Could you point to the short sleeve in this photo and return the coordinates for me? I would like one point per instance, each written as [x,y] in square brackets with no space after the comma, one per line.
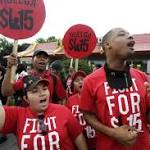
[73,125]
[18,85]
[87,98]
[11,117]
[60,91]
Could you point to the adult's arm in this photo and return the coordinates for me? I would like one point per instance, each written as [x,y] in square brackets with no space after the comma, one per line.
[2,117]
[7,86]
[80,142]
[123,134]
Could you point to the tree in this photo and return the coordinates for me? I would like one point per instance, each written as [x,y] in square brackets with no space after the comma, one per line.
[41,40]
[48,40]
[4,45]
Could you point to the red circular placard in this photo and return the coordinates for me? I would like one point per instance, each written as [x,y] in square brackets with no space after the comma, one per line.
[21,19]
[79,41]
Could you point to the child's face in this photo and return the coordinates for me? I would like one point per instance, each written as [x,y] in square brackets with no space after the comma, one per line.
[38,97]
[78,82]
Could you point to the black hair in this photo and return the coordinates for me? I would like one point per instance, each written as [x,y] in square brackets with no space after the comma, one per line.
[21,67]
[106,38]
[98,66]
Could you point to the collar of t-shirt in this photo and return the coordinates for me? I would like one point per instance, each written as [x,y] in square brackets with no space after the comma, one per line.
[45,74]
[118,79]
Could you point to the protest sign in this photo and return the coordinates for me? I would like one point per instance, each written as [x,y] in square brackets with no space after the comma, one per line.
[20,19]
[79,41]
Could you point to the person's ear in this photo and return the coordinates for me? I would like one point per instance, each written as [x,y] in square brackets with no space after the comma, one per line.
[25,99]
[107,45]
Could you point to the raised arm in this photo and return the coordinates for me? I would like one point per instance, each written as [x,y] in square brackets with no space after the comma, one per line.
[7,86]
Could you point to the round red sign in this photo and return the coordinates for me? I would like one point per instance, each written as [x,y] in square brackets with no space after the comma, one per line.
[21,19]
[79,41]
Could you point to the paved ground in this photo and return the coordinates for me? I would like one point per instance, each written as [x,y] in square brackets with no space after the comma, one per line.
[10,144]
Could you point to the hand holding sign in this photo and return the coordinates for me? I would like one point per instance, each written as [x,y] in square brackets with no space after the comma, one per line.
[79,41]
[20,20]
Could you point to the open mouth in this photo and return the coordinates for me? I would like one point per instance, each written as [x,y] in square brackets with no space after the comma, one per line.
[80,86]
[42,64]
[131,44]
[42,100]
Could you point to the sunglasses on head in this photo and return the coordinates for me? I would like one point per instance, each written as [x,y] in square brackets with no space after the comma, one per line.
[43,128]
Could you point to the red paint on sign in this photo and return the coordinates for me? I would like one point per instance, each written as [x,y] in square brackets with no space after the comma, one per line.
[21,19]
[79,41]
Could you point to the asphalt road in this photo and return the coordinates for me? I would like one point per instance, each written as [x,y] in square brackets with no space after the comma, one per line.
[10,144]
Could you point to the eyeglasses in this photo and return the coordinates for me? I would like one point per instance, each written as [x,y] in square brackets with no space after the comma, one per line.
[43,128]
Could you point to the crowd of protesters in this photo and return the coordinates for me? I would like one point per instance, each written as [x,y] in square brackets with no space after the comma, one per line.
[107,109]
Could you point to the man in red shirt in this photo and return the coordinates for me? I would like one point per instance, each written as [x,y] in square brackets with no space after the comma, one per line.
[39,62]
[114,99]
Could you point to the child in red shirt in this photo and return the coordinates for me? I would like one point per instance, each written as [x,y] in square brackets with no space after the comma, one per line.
[73,104]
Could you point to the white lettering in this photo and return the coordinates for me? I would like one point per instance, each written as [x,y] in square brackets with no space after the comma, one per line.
[135,102]
[27,124]
[110,104]
[134,84]
[106,87]
[23,145]
[123,99]
[54,140]
[114,122]
[34,126]
[36,140]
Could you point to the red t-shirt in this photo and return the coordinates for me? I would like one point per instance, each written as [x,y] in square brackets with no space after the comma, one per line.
[60,91]
[73,104]
[63,128]
[108,104]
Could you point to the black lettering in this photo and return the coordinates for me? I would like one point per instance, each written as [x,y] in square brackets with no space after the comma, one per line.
[23,20]
[80,46]
[71,43]
[85,44]
[3,18]
[33,3]
[28,19]
[13,22]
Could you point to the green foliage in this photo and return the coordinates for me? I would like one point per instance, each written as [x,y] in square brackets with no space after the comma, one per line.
[41,40]
[4,44]
[48,40]
[83,65]
[52,39]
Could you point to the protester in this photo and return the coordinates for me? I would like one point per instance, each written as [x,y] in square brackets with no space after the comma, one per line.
[58,70]
[73,104]
[69,80]
[114,99]
[39,61]
[3,100]
[56,67]
[41,125]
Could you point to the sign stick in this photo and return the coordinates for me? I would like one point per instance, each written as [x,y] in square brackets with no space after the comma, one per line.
[13,69]
[71,63]
[76,64]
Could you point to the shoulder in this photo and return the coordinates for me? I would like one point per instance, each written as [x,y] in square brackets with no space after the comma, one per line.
[138,74]
[57,109]
[97,75]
